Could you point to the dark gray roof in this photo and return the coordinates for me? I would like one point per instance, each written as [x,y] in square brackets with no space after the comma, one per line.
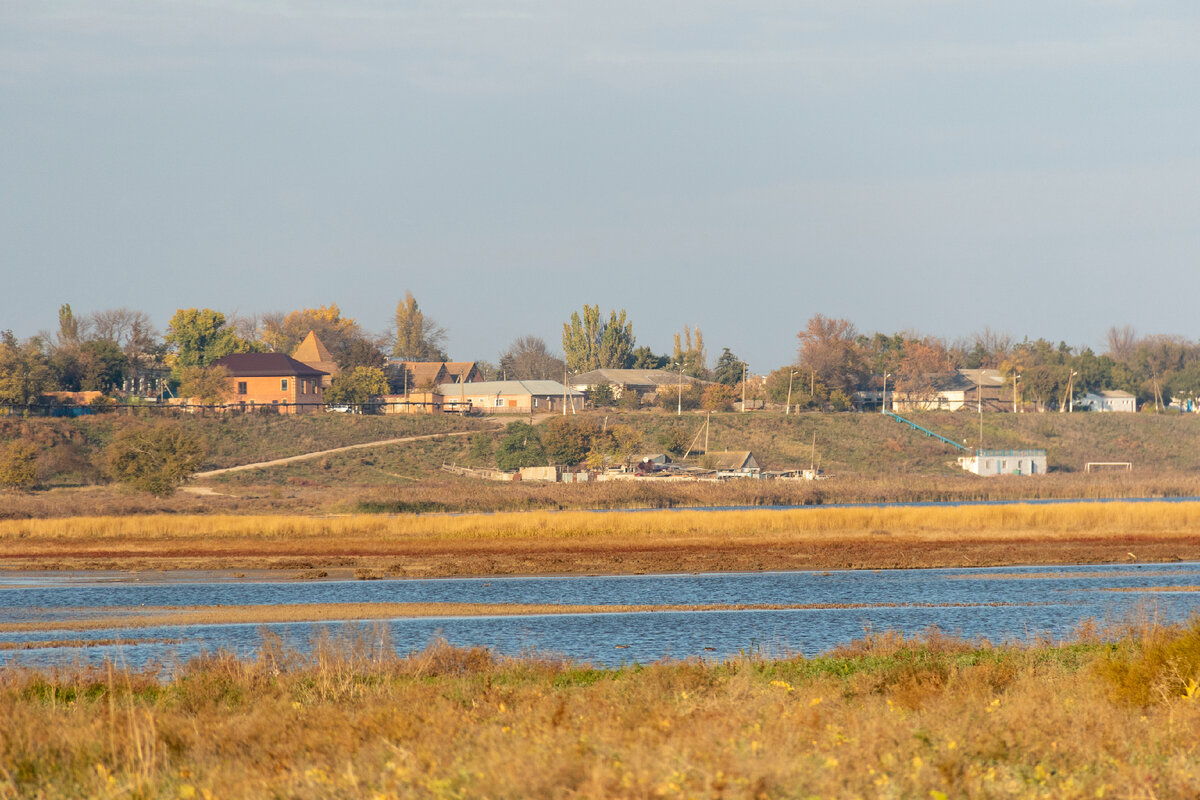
[265,365]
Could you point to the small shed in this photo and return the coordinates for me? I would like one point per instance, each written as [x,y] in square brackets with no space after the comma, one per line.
[1005,462]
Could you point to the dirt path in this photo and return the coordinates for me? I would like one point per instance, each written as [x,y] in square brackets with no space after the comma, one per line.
[275,462]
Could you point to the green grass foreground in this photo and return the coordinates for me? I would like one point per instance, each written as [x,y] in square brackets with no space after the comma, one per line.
[934,717]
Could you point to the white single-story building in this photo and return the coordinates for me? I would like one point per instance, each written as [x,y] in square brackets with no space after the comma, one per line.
[1005,462]
[510,397]
[1109,400]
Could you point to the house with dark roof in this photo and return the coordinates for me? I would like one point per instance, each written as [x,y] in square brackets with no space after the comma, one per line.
[642,381]
[273,379]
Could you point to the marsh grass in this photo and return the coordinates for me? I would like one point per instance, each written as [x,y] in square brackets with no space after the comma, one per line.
[888,716]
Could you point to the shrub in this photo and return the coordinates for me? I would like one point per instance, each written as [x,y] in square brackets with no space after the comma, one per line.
[601,395]
[520,447]
[155,458]
[718,397]
[18,466]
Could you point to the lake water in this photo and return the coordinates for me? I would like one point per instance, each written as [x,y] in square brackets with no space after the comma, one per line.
[1001,604]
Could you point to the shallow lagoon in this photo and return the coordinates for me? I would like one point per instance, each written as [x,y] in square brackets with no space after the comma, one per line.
[1000,604]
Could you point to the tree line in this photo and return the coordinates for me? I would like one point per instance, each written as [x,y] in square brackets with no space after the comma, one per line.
[119,350]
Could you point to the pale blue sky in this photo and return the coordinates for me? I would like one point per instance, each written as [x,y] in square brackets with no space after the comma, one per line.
[937,166]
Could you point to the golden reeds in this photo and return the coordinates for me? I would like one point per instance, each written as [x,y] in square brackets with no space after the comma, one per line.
[893,717]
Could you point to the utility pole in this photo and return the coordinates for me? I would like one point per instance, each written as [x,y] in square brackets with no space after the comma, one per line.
[788,410]
[679,406]
[883,399]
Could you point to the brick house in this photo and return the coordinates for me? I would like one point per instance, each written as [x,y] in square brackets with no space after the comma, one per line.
[273,379]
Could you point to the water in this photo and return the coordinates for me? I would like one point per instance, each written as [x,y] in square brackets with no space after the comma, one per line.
[996,603]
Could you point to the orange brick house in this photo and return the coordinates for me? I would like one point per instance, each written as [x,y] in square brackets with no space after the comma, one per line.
[273,379]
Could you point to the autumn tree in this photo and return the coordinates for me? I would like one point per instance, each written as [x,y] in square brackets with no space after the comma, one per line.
[199,337]
[689,353]
[921,369]
[155,458]
[418,337]
[529,358]
[591,343]
[211,385]
[19,465]
[347,343]
[25,373]
[828,349]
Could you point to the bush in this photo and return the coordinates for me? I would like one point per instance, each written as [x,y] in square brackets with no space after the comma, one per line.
[155,458]
[601,395]
[520,447]
[18,466]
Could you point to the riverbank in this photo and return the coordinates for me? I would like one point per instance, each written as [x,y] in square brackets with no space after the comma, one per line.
[884,717]
[574,543]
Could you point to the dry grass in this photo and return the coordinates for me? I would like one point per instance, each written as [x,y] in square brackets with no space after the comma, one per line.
[888,717]
[544,542]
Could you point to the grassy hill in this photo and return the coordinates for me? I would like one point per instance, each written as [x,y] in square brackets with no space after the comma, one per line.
[870,456]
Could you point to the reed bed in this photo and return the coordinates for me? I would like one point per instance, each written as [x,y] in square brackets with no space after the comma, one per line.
[1123,518]
[886,717]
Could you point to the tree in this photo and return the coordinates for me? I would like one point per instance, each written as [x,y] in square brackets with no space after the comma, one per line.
[68,325]
[1122,341]
[25,373]
[520,447]
[921,369]
[589,343]
[103,365]
[358,386]
[718,397]
[828,348]
[210,385]
[689,353]
[601,395]
[671,398]
[155,458]
[19,465]
[131,330]
[567,440]
[729,369]
[347,343]
[644,358]
[201,336]
[528,358]
[418,338]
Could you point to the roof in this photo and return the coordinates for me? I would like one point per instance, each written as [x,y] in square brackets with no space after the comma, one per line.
[460,368]
[494,388]
[983,377]
[630,377]
[1112,394]
[732,459]
[265,365]
[312,351]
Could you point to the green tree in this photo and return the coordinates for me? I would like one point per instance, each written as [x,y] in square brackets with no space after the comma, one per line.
[590,343]
[68,325]
[210,385]
[520,447]
[418,338]
[199,337]
[19,465]
[103,365]
[482,448]
[358,386]
[601,395]
[644,358]
[729,369]
[155,458]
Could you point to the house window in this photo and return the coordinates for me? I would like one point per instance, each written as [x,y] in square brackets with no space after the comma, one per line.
[241,387]
[283,384]
[499,402]
[535,402]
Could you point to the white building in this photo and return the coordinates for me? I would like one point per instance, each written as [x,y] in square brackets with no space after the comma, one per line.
[1005,462]
[1109,400]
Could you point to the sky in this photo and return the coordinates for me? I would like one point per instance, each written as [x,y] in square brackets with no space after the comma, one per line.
[933,166]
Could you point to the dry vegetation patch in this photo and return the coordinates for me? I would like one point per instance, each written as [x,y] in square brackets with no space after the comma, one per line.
[886,717]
